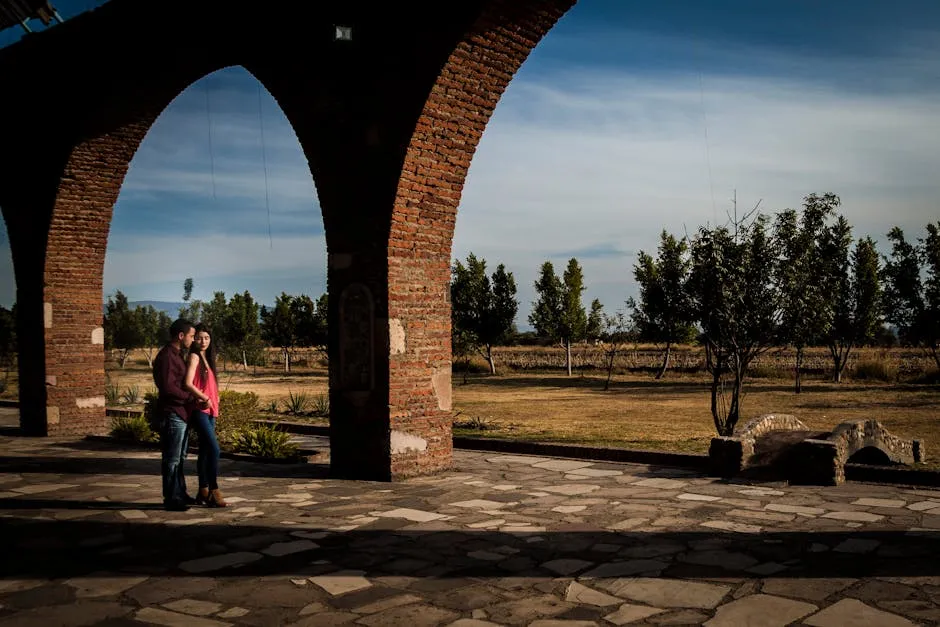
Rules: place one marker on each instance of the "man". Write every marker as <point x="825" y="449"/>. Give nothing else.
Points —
<point x="169" y="372"/>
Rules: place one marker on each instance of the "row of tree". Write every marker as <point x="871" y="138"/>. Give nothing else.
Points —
<point x="484" y="308"/>
<point x="241" y="328"/>
<point x="795" y="279"/>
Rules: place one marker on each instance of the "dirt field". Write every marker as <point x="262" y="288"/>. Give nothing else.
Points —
<point x="637" y="412"/>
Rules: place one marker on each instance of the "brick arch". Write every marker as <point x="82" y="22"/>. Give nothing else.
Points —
<point x="454" y="116"/>
<point x="88" y="188"/>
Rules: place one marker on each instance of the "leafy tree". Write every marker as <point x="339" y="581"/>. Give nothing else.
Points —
<point x="191" y="311"/>
<point x="546" y="310"/>
<point x="903" y="290"/>
<point x="806" y="278"/>
<point x="595" y="321"/>
<point x="241" y="328"/>
<point x="857" y="304"/>
<point x="153" y="327"/>
<point x="278" y="326"/>
<point x="215" y="314"/>
<point x="121" y="327"/>
<point x="737" y="305"/>
<point x="483" y="308"/>
<point x="663" y="313"/>
<point x="558" y="313"/>
<point x="930" y="319"/>
<point x="616" y="334"/>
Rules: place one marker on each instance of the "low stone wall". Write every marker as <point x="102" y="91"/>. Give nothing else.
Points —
<point x="729" y="455"/>
<point x="817" y="460"/>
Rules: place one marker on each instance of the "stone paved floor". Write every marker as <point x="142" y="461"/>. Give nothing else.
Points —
<point x="501" y="539"/>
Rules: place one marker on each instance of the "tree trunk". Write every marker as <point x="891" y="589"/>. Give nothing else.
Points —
<point x="466" y="369"/>
<point x="611" y="356"/>
<point x="148" y="354"/>
<point x="245" y="359"/>
<point x="286" y="360"/>
<point x="568" y="356"/>
<point x="720" y="422"/>
<point x="662" y="370"/>
<point x="798" y="380"/>
<point x="936" y="355"/>
<point x="125" y="353"/>
<point x="734" y="411"/>
<point x="490" y="360"/>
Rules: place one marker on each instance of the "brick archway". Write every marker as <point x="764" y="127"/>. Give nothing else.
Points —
<point x="388" y="124"/>
<point x="75" y="255"/>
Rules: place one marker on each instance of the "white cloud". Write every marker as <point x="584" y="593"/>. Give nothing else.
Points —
<point x="592" y="158"/>
<point x="607" y="160"/>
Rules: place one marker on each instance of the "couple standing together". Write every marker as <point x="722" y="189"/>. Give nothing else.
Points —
<point x="185" y="374"/>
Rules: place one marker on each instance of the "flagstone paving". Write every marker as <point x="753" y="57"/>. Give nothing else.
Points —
<point x="498" y="540"/>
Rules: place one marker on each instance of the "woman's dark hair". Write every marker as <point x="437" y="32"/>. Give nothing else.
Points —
<point x="210" y="354"/>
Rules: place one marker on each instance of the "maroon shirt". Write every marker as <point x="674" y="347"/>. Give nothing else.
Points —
<point x="169" y="372"/>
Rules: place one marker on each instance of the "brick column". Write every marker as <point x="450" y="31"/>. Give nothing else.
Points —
<point x="72" y="303"/>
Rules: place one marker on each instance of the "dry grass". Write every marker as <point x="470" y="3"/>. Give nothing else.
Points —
<point x="637" y="412"/>
<point x="673" y="414"/>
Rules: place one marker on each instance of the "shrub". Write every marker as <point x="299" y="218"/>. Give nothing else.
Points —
<point x="131" y="395"/>
<point x="112" y="393"/>
<point x="767" y="371"/>
<point x="150" y="410"/>
<point x="236" y="411"/>
<point x="877" y="369"/>
<point x="133" y="428"/>
<point x="296" y="403"/>
<point x="474" y="423"/>
<point x="321" y="405"/>
<point x="263" y="441"/>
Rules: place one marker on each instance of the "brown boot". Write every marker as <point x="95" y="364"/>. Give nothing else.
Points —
<point x="202" y="498"/>
<point x="215" y="499"/>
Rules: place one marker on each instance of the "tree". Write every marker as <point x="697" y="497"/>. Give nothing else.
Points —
<point x="857" y="304"/>
<point x="912" y="289"/>
<point x="242" y="331"/>
<point x="903" y="290"/>
<point x="558" y="313"/>
<point x="547" y="309"/>
<point x="614" y="337"/>
<point x="215" y="314"/>
<point x="191" y="311"/>
<point x="595" y="321"/>
<point x="483" y="308"/>
<point x="278" y="326"/>
<point x="121" y="327"/>
<point x="930" y="318"/>
<point x="663" y="313"/>
<point x="812" y="265"/>
<point x="154" y="327"/>
<point x="737" y="305"/>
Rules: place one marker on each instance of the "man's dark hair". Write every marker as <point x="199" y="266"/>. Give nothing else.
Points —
<point x="180" y="325"/>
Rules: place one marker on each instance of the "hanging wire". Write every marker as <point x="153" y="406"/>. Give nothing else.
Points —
<point x="209" y="131"/>
<point x="264" y="162"/>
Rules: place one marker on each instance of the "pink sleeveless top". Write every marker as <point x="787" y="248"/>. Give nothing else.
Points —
<point x="208" y="386"/>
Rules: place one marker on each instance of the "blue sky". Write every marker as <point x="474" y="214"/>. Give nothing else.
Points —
<point x="597" y="145"/>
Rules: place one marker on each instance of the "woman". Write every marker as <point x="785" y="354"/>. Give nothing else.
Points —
<point x="201" y="381"/>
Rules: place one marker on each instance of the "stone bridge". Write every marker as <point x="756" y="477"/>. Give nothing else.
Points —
<point x="781" y="444"/>
<point x="388" y="102"/>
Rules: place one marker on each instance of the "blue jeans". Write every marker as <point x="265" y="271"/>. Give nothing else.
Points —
<point x="174" y="436"/>
<point x="208" y="461"/>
